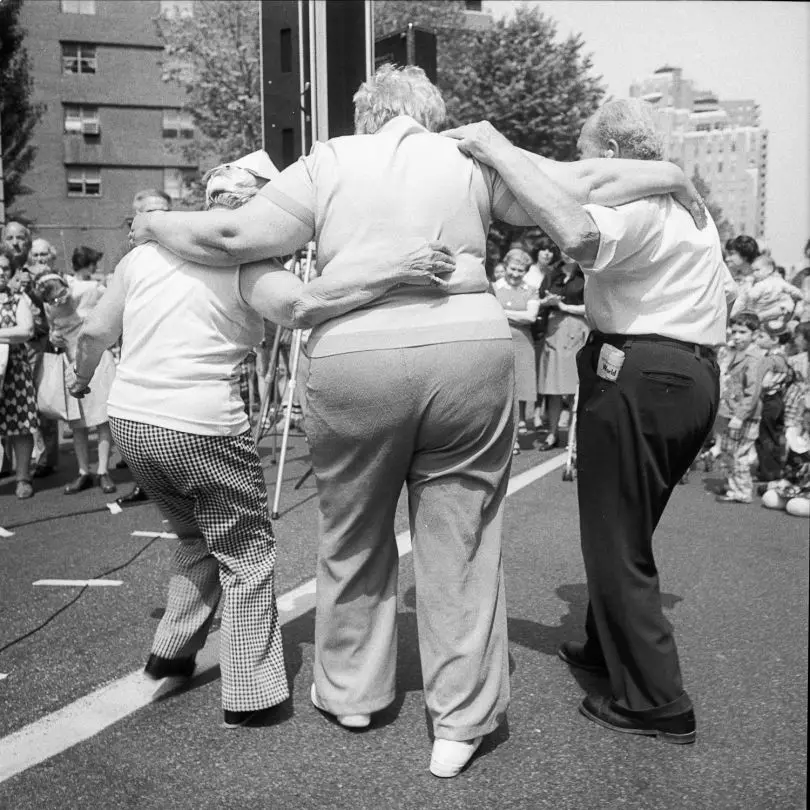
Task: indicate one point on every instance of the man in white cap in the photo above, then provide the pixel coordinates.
(178, 419)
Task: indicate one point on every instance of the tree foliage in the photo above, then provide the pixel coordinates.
(537, 89)
(214, 56)
(19, 113)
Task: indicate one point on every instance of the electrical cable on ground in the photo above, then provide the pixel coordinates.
(77, 597)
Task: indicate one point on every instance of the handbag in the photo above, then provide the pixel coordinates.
(3, 361)
(53, 399)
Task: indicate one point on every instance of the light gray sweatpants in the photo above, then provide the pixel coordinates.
(440, 419)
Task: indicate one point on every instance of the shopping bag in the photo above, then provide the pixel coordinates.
(53, 399)
(3, 361)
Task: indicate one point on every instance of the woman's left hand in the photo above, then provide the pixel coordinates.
(76, 386)
(424, 265)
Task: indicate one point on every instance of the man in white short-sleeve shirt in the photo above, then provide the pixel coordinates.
(656, 297)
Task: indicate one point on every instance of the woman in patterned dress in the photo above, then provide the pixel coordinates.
(521, 304)
(18, 399)
(562, 297)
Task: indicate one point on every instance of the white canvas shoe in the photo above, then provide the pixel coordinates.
(347, 720)
(450, 756)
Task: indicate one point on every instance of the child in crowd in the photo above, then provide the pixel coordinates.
(777, 377)
(770, 297)
(792, 491)
(740, 409)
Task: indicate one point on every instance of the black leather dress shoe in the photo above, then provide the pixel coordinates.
(158, 667)
(137, 495)
(573, 653)
(233, 719)
(84, 481)
(680, 729)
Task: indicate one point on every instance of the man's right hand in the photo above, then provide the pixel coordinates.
(689, 198)
(480, 141)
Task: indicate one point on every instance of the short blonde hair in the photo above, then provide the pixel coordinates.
(519, 257)
(394, 91)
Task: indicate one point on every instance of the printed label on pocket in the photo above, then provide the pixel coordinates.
(610, 362)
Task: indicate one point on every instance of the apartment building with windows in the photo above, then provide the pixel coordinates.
(723, 140)
(111, 125)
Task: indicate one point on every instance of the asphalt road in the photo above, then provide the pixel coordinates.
(735, 580)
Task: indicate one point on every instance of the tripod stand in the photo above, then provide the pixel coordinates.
(272, 400)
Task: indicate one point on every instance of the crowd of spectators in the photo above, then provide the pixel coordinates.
(42, 308)
(761, 440)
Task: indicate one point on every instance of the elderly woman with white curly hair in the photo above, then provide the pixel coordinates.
(416, 389)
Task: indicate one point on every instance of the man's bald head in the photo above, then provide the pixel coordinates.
(18, 239)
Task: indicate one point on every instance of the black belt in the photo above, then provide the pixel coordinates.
(620, 341)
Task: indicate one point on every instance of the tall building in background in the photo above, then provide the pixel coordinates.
(111, 121)
(723, 140)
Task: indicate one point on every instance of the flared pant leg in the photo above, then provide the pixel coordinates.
(212, 490)
(441, 418)
(457, 486)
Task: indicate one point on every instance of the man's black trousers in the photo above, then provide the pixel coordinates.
(636, 437)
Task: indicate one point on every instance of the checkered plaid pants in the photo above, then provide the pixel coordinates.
(736, 449)
(212, 490)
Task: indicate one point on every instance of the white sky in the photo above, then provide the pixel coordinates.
(747, 49)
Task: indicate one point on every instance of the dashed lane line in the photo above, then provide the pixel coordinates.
(84, 718)
(80, 583)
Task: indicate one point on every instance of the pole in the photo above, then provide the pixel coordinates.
(2, 180)
(295, 353)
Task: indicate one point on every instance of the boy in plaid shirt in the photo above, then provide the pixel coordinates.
(740, 409)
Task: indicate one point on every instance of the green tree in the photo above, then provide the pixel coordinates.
(214, 56)
(18, 112)
(534, 88)
(537, 89)
(724, 228)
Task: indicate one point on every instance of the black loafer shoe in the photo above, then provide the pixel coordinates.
(106, 483)
(84, 481)
(158, 667)
(679, 729)
(137, 495)
(233, 719)
(573, 653)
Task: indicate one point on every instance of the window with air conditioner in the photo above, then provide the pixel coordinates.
(78, 6)
(178, 124)
(79, 58)
(80, 119)
(83, 181)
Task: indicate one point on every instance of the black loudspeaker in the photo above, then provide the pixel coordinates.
(294, 104)
(410, 46)
(345, 60)
(286, 114)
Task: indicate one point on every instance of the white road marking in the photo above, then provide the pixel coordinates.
(80, 583)
(5, 532)
(114, 508)
(3, 675)
(86, 717)
(165, 535)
